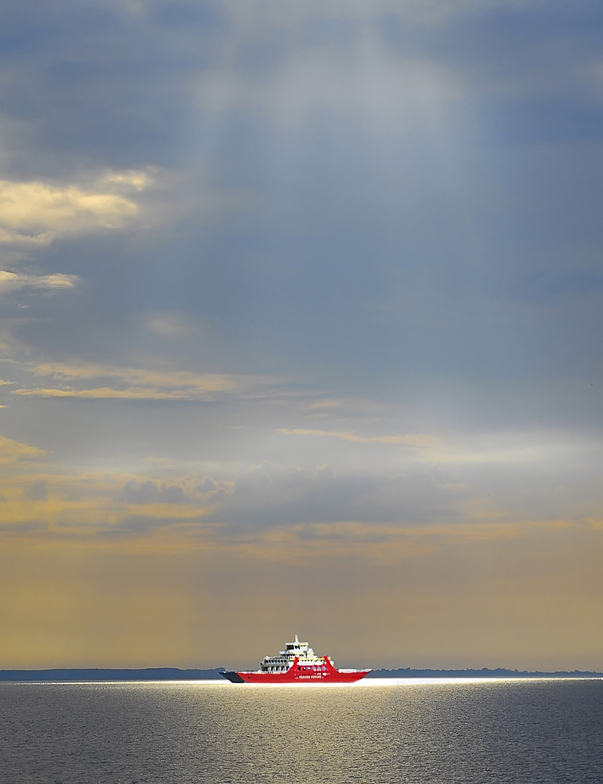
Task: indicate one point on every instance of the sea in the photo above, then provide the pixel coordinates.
(401, 731)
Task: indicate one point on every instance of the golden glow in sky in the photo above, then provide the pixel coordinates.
(299, 331)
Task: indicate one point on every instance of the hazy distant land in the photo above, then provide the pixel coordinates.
(175, 674)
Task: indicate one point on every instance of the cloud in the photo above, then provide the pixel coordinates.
(327, 403)
(184, 378)
(140, 492)
(207, 485)
(95, 504)
(360, 80)
(251, 14)
(184, 491)
(268, 495)
(170, 325)
(37, 212)
(140, 383)
(107, 393)
(150, 492)
(275, 13)
(14, 451)
(37, 492)
(411, 439)
(12, 281)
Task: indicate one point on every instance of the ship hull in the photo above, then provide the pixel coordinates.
(299, 673)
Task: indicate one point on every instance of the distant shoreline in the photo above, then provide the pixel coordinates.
(483, 673)
(175, 674)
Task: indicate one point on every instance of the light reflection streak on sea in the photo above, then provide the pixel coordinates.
(414, 731)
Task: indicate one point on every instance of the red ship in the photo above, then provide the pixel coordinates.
(296, 664)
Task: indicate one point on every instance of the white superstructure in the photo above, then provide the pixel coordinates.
(293, 650)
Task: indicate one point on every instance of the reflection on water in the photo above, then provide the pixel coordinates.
(520, 732)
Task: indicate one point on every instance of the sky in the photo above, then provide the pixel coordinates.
(300, 332)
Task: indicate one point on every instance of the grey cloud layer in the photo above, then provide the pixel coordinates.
(537, 481)
(389, 202)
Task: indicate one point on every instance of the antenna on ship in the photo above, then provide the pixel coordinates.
(296, 640)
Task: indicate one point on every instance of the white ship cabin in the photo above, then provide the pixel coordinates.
(282, 662)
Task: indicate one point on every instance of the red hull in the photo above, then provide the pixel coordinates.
(299, 673)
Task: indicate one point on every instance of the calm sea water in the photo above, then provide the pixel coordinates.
(520, 732)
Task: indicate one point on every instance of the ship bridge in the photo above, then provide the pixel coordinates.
(293, 650)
